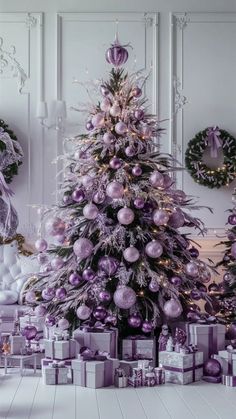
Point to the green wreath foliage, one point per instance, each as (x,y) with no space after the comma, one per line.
(12,169)
(200,172)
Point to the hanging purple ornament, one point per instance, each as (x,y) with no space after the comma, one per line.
(48,293)
(63,324)
(194,252)
(176,219)
(108,264)
(115,190)
(83,248)
(195,294)
(201,287)
(121,128)
(100,313)
(104,90)
(233,250)
(153,286)
(130,151)
(124,297)
(160,217)
(108,138)
(176,281)
(228,277)
(180,196)
(83,312)
(212,307)
(115,163)
(117,54)
(104,296)
(139,114)
(147,327)
(54,226)
(74,279)
(131,254)
(29,332)
(172,308)
(30,297)
(99,197)
(88,275)
(212,368)
(78,195)
(191,269)
(167,181)
(40,310)
(125,216)
(50,320)
(41,245)
(137,170)
(98,120)
(57,263)
(205,276)
(154,249)
(87,181)
(115,110)
(156,179)
(89,126)
(105,105)
(90,211)
(232,219)
(136,92)
(111,320)
(135,320)
(61,293)
(146,132)
(213,287)
(139,203)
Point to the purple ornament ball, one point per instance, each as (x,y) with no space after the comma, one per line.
(124,297)
(179,195)
(131,254)
(139,114)
(41,245)
(147,327)
(78,195)
(232,219)
(121,128)
(88,274)
(139,203)
(108,264)
(160,217)
(176,281)
(231,332)
(156,179)
(137,170)
(61,293)
(48,293)
(172,308)
(154,249)
(100,313)
(196,294)
(105,105)
(87,181)
(115,163)
(212,368)
(74,279)
(98,120)
(99,198)
(135,320)
(176,219)
(115,110)
(104,90)
(63,324)
(40,310)
(117,54)
(130,151)
(83,248)
(50,320)
(104,296)
(153,286)
(29,332)
(125,216)
(90,211)
(192,269)
(108,138)
(228,277)
(115,190)
(167,181)
(89,126)
(42,258)
(57,263)
(30,297)
(136,92)
(194,252)
(83,312)
(233,250)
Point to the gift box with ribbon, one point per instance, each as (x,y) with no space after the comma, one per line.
(182,368)
(98,339)
(55,373)
(209,338)
(94,373)
(61,349)
(139,347)
(17,344)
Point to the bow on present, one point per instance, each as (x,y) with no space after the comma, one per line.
(213,140)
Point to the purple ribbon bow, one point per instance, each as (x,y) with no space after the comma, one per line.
(213,140)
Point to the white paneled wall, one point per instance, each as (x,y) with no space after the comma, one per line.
(192,83)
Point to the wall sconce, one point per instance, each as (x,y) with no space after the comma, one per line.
(58,115)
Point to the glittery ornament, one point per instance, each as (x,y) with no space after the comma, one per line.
(90,211)
(212,368)
(172,308)
(139,203)
(120,128)
(98,120)
(54,226)
(124,297)
(99,197)
(108,264)
(130,151)
(192,269)
(108,138)
(115,190)
(83,312)
(154,249)
(83,248)
(160,217)
(131,254)
(63,324)
(156,179)
(125,216)
(41,245)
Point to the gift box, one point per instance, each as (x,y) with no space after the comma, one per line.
(61,349)
(181,368)
(160,375)
(17,344)
(227,360)
(139,347)
(209,338)
(55,374)
(98,339)
(91,374)
(229,380)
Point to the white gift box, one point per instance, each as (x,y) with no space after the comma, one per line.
(17,344)
(54,375)
(209,338)
(224,357)
(88,373)
(61,349)
(103,340)
(137,348)
(181,368)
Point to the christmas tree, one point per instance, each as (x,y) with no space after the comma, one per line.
(122,256)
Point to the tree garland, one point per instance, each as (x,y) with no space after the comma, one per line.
(11,154)
(200,172)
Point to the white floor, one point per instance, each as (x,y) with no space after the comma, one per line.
(26,397)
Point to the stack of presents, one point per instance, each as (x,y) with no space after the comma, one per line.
(90,357)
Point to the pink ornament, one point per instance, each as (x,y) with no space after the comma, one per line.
(54,226)
(125,216)
(154,249)
(131,254)
(74,279)
(63,324)
(57,263)
(124,297)
(61,293)
(83,312)
(90,211)
(40,311)
(172,308)
(83,248)
(147,326)
(115,110)
(98,120)
(108,138)
(78,195)
(120,128)
(41,245)
(233,250)
(115,163)
(105,105)
(99,197)
(137,170)
(160,217)
(192,269)
(156,179)
(87,181)
(115,190)
(30,297)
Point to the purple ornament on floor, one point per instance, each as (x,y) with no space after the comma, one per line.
(135,320)
(99,197)
(48,293)
(63,324)
(108,264)
(139,203)
(160,217)
(115,163)
(147,326)
(212,368)
(121,128)
(176,281)
(125,216)
(115,190)
(192,269)
(57,263)
(83,312)
(153,286)
(61,293)
(172,308)
(83,248)
(156,179)
(137,170)
(100,313)
(88,275)
(131,254)
(74,279)
(50,320)
(78,195)
(104,296)
(154,249)
(29,332)
(232,219)
(40,310)
(41,245)
(90,211)
(124,297)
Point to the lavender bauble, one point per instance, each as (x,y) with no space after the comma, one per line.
(30,297)
(115,190)
(104,296)
(42,258)
(160,217)
(131,254)
(108,138)
(136,92)
(115,110)
(57,263)
(40,310)
(139,114)
(105,105)
(100,313)
(78,195)
(117,54)
(108,264)
(104,90)
(124,297)
(233,250)
(147,327)
(130,151)
(139,202)
(154,249)
(29,332)
(137,170)
(87,181)
(176,280)
(61,293)
(74,279)
(135,320)
(90,211)
(172,308)
(232,219)
(176,219)
(50,320)
(41,245)
(192,270)
(88,274)
(54,226)
(83,248)
(156,179)
(121,128)
(125,216)
(63,324)
(153,286)
(99,197)
(115,163)
(98,120)
(83,312)
(48,293)
(89,126)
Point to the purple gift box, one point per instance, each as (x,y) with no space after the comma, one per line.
(209,338)
(98,339)
(93,373)
(181,368)
(139,347)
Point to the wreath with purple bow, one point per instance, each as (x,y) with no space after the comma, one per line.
(215,139)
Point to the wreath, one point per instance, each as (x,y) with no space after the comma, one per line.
(215,139)
(11,154)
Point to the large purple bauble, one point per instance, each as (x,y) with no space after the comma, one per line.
(88,274)
(55,226)
(30,297)
(40,310)
(104,90)
(115,110)
(99,197)
(131,254)
(135,320)
(147,327)
(105,105)
(74,279)
(125,216)
(57,263)
(176,281)
(50,320)
(115,163)
(172,308)
(121,128)
(117,54)
(29,332)
(108,138)
(41,245)
(232,219)
(130,151)
(111,319)
(212,368)
(154,249)
(104,296)
(139,202)
(108,264)
(156,179)
(231,332)
(195,294)
(83,312)
(78,195)
(124,297)
(83,248)
(137,170)
(136,92)
(100,313)
(160,217)
(194,252)
(89,126)
(115,190)
(63,324)
(48,293)
(176,219)
(90,211)
(192,269)
(153,286)
(98,120)
(233,250)
(61,293)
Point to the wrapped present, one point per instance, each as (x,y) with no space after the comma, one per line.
(17,344)
(128,366)
(227,360)
(139,347)
(229,380)
(181,368)
(136,380)
(61,349)
(209,338)
(150,378)
(98,339)
(55,373)
(120,379)
(94,373)
(160,375)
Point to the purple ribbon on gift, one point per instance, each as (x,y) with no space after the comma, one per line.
(182,370)
(213,140)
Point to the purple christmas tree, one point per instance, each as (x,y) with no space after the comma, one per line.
(123,256)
